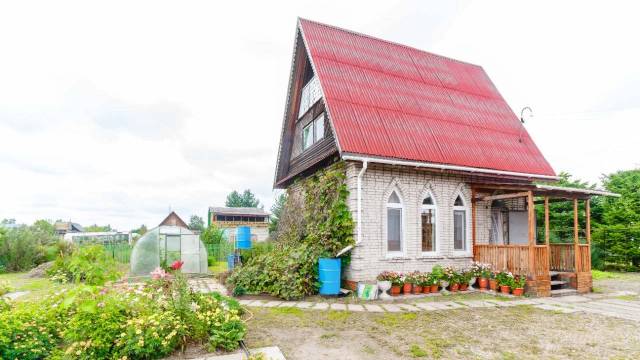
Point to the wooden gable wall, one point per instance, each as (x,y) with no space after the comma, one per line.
(293,161)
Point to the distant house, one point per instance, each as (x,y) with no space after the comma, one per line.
(439,168)
(64,227)
(174,220)
(229,218)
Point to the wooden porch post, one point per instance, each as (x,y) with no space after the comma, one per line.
(546,220)
(532,235)
(587,205)
(576,235)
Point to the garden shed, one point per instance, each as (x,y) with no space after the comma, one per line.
(165,244)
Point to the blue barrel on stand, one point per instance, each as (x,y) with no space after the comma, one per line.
(329,276)
(243,237)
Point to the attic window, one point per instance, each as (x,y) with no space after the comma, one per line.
(313,132)
(311,93)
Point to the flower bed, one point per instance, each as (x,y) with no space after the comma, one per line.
(147,321)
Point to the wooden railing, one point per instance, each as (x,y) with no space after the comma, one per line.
(541,269)
(584,263)
(514,258)
(562,257)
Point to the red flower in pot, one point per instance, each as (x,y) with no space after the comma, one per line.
(177,265)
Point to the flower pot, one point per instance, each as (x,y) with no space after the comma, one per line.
(384,286)
(426,289)
(493,284)
(434,288)
(518,291)
(464,287)
(505,289)
(454,287)
(395,290)
(406,288)
(417,289)
(483,283)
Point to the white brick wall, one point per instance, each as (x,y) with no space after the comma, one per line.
(370,257)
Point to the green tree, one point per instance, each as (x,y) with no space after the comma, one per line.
(276,212)
(98,228)
(212,235)
(246,199)
(141,230)
(196,223)
(620,235)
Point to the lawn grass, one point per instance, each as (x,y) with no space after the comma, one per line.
(218,267)
(37,287)
(600,275)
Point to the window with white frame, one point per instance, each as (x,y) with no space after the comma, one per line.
(313,132)
(459,225)
(394,224)
(428,224)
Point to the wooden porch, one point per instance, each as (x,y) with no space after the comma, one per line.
(539,260)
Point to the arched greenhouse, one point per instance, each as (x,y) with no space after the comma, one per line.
(163,245)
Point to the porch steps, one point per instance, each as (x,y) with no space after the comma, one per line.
(558,283)
(563,292)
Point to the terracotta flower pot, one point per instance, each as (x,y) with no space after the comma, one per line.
(434,288)
(483,283)
(426,289)
(504,289)
(464,287)
(454,287)
(395,290)
(417,289)
(406,288)
(493,284)
(518,291)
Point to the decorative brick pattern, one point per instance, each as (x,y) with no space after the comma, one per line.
(370,257)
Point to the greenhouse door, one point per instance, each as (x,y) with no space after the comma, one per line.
(190,254)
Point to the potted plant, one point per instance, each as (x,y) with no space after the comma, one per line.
(426,283)
(504,281)
(436,277)
(493,281)
(517,285)
(453,278)
(396,282)
(465,278)
(484,275)
(416,281)
(384,282)
(406,284)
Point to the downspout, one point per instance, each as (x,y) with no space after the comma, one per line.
(359,209)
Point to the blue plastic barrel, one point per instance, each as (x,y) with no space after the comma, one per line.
(231,261)
(243,237)
(329,276)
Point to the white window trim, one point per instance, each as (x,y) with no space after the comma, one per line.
(309,126)
(312,127)
(467,227)
(401,253)
(433,207)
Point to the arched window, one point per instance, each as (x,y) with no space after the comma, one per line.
(459,225)
(428,224)
(394,223)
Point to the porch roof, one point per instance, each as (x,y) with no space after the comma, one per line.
(543,190)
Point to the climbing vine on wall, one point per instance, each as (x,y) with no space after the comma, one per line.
(316,222)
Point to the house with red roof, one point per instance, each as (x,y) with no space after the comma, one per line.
(439,168)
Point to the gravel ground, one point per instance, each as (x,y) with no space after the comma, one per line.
(508,333)
(608,282)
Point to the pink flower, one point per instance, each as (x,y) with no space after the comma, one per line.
(158,273)
(177,265)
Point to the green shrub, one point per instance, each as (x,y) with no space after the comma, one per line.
(144,322)
(257,249)
(20,249)
(87,264)
(5,288)
(315,225)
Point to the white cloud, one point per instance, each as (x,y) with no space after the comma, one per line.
(112,112)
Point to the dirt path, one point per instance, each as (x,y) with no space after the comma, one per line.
(522,332)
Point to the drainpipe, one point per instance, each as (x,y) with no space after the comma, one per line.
(359,206)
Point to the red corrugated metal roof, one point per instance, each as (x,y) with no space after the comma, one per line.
(394,101)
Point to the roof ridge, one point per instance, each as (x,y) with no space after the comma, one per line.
(385,41)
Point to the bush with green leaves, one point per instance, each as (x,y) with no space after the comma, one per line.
(314,223)
(145,321)
(88,264)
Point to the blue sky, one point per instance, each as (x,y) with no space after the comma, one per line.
(114,112)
